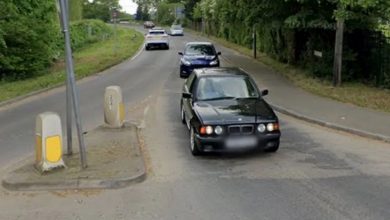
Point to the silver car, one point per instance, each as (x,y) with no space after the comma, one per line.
(176,30)
(156,38)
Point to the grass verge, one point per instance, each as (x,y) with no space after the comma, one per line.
(354,93)
(88,61)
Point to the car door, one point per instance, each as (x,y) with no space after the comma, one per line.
(187,102)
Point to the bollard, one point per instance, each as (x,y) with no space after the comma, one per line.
(48,146)
(114,109)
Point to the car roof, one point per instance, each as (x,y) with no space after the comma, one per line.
(220,71)
(198,43)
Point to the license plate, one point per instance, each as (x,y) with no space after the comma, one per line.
(241,142)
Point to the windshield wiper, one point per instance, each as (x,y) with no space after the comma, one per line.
(218,98)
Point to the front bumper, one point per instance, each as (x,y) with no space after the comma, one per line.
(218,144)
(177,33)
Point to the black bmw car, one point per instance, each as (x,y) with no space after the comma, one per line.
(225,111)
(198,55)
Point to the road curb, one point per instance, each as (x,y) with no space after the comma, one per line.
(14,184)
(353,131)
(76,184)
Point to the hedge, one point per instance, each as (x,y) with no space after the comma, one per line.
(31,38)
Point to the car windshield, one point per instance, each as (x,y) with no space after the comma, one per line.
(176,27)
(226,87)
(200,49)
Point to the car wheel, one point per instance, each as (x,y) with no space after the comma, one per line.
(183,116)
(272,149)
(147,48)
(193,146)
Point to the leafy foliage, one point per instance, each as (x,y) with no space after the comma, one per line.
(75,10)
(291,30)
(86,32)
(30,37)
(99,9)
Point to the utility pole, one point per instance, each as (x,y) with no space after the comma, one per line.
(114,15)
(72,95)
(338,53)
(69,136)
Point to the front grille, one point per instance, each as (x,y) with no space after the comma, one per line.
(240,129)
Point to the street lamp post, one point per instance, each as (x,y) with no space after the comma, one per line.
(72,96)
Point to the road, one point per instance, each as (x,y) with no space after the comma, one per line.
(317,174)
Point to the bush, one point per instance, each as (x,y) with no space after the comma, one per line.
(85,32)
(28,37)
(31,40)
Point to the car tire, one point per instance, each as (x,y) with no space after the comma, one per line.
(272,149)
(193,145)
(147,48)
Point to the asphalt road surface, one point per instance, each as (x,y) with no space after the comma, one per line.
(317,174)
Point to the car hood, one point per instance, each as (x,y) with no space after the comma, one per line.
(199,57)
(234,111)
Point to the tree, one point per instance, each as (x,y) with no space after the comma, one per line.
(29,35)
(99,9)
(75,10)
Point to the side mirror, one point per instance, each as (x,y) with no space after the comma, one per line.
(219,53)
(180,53)
(264,92)
(187,95)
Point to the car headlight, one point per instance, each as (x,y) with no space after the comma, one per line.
(185,62)
(206,130)
(214,62)
(261,128)
(209,130)
(218,130)
(272,127)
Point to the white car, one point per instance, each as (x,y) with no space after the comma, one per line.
(177,30)
(157,37)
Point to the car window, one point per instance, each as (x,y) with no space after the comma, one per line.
(189,81)
(215,87)
(157,32)
(176,27)
(200,49)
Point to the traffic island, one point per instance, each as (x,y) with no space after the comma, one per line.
(114,161)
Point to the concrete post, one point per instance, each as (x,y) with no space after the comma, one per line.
(114,109)
(48,145)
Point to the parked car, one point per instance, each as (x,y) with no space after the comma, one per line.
(198,55)
(177,30)
(156,38)
(225,111)
(148,24)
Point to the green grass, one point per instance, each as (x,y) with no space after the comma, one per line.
(354,93)
(88,61)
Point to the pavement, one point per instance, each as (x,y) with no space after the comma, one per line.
(292,100)
(114,161)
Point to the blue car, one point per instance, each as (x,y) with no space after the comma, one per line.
(198,55)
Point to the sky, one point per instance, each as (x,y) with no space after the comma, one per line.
(129,6)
